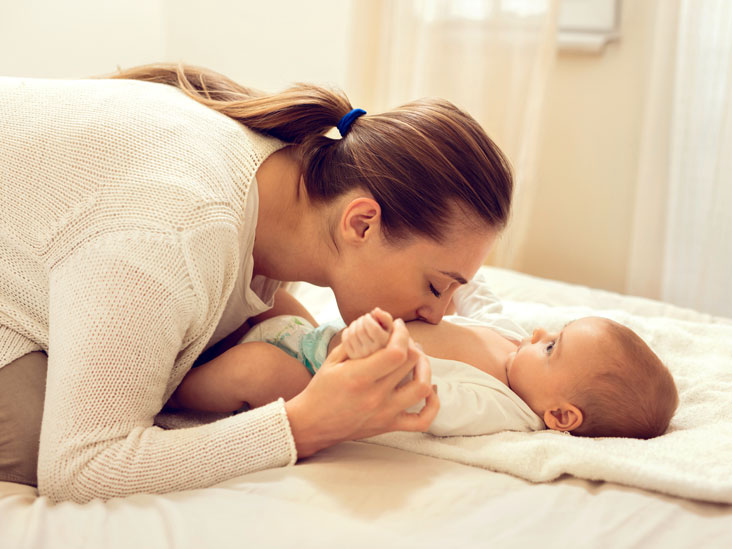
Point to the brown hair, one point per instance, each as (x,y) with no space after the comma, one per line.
(632,394)
(417,161)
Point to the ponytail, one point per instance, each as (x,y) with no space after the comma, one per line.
(293,115)
(417,161)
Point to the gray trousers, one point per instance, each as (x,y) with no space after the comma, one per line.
(22,390)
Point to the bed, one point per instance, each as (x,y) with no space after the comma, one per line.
(395,491)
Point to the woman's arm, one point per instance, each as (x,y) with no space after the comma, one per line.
(118,326)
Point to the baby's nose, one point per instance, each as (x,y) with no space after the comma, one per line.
(537,335)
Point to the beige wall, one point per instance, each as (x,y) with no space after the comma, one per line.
(593,108)
(78,38)
(588,158)
(267,44)
(262,43)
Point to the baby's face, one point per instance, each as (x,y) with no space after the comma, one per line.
(546,366)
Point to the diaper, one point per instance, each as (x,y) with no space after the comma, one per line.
(297,337)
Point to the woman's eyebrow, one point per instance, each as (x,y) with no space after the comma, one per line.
(457,276)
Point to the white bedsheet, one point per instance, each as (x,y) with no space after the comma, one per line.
(365,495)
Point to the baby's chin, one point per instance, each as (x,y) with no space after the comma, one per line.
(507,366)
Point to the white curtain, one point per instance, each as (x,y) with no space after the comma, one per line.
(681,248)
(490,57)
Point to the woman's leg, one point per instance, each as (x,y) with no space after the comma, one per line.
(22,390)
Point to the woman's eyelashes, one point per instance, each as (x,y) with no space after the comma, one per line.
(434,291)
(550,346)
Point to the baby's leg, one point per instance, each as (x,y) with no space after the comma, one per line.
(367,334)
(254,373)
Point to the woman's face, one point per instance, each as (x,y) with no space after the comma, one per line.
(411,280)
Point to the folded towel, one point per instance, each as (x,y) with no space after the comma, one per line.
(693,459)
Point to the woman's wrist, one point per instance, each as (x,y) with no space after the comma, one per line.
(304,430)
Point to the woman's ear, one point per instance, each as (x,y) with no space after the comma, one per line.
(566,417)
(360,220)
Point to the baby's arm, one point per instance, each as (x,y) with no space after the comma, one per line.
(255,373)
(478,346)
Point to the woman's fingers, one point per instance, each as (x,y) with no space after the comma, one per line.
(421,420)
(422,369)
(353,399)
(409,385)
(416,361)
(338,354)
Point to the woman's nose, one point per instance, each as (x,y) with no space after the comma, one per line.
(537,335)
(430,314)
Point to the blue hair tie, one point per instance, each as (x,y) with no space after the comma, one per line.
(345,124)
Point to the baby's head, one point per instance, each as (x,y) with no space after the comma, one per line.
(594,378)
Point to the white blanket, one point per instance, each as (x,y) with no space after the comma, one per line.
(693,459)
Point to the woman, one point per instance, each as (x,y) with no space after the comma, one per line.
(146,216)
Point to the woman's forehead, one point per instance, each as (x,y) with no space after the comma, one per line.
(465,246)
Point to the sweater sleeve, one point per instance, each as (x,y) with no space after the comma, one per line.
(122,311)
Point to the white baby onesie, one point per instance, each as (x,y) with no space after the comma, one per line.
(475,403)
(471,401)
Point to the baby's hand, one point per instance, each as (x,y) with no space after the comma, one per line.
(367,334)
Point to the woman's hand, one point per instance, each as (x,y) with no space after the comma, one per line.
(353,399)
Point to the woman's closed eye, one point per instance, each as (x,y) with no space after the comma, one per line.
(550,346)
(434,291)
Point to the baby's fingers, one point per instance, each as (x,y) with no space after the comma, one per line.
(383,318)
(374,332)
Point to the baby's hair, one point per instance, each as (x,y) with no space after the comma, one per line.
(632,394)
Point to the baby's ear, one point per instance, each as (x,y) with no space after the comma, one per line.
(565,417)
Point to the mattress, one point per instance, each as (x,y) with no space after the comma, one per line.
(362,494)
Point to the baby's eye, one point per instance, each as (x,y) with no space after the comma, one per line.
(550,347)
(434,291)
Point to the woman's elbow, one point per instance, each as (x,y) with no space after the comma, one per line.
(59,480)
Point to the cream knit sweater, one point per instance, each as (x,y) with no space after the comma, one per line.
(125,226)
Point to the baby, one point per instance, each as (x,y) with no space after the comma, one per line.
(594,378)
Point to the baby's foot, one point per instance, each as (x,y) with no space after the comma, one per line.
(367,334)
